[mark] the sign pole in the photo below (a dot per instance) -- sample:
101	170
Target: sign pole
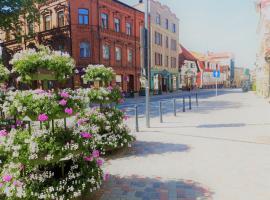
216	87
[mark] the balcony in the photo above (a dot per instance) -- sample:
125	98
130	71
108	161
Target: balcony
119	35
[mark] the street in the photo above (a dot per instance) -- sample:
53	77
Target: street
219	150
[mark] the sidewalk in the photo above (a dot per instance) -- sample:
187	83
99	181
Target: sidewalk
218	151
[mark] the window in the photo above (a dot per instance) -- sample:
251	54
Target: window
167	61
130	55
128	28
167	24
47	22
31	27
117	25
84	50
104	20
173	62
83	16
167	42
173	44
106	52
158	59
158	38
61	18
158	19
174	28
118	53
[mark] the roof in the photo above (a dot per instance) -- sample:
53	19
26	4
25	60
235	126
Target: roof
126	5
186	55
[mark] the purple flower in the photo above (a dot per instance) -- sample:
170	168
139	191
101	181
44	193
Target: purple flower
3	133
69	111
39	91
86	135
110	88
1	185
43	117
88	158
63	102
95	154
126	117
100	162
19	123
64	95
106	176
7	178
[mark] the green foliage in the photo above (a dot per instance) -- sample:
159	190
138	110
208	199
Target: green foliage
99	73
27	64
12	10
4	73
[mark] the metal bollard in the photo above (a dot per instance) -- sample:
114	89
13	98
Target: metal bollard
184	104
190	102
160	112
197	102
136	118
174	107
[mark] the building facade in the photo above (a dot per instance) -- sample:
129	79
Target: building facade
263	52
94	32
164	47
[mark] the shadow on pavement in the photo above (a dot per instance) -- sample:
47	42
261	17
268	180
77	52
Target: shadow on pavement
232	125
137	188
142	148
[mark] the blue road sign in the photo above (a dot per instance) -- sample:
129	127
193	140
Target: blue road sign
216	74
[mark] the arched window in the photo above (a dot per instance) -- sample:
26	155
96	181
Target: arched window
84	50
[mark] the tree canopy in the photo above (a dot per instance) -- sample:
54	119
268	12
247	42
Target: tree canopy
11	12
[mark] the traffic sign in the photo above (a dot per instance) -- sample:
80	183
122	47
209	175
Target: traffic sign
216	74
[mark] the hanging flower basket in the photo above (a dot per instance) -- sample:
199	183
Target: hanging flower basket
44	74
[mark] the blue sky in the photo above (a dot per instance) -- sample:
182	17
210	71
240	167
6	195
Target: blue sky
217	25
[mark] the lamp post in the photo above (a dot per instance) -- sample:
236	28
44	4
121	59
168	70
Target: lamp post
146	62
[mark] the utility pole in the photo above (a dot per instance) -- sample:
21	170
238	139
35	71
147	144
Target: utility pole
146	63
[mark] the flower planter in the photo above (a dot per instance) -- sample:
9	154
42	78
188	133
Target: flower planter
43	74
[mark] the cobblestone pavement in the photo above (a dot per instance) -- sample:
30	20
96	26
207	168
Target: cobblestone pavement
218	151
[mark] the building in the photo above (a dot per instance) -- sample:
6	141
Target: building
189	69
94	32
164	49
226	63
263	53
241	75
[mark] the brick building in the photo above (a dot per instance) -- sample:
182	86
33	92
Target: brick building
94	32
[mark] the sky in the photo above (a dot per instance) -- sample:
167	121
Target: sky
217	26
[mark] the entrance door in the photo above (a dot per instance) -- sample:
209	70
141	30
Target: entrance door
131	83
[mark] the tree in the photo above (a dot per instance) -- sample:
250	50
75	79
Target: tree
14	13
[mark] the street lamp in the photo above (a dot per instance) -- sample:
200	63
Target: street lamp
146	62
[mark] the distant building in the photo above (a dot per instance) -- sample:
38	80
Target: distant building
241	75
164	40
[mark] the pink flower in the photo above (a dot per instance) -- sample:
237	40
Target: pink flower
43	117
106	176
19	123
86	135
110	88
3	133
1	185
64	95
7	178
95	154
63	102
88	158
126	117
121	101
17	183
81	121
39	91
69	111
100	162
